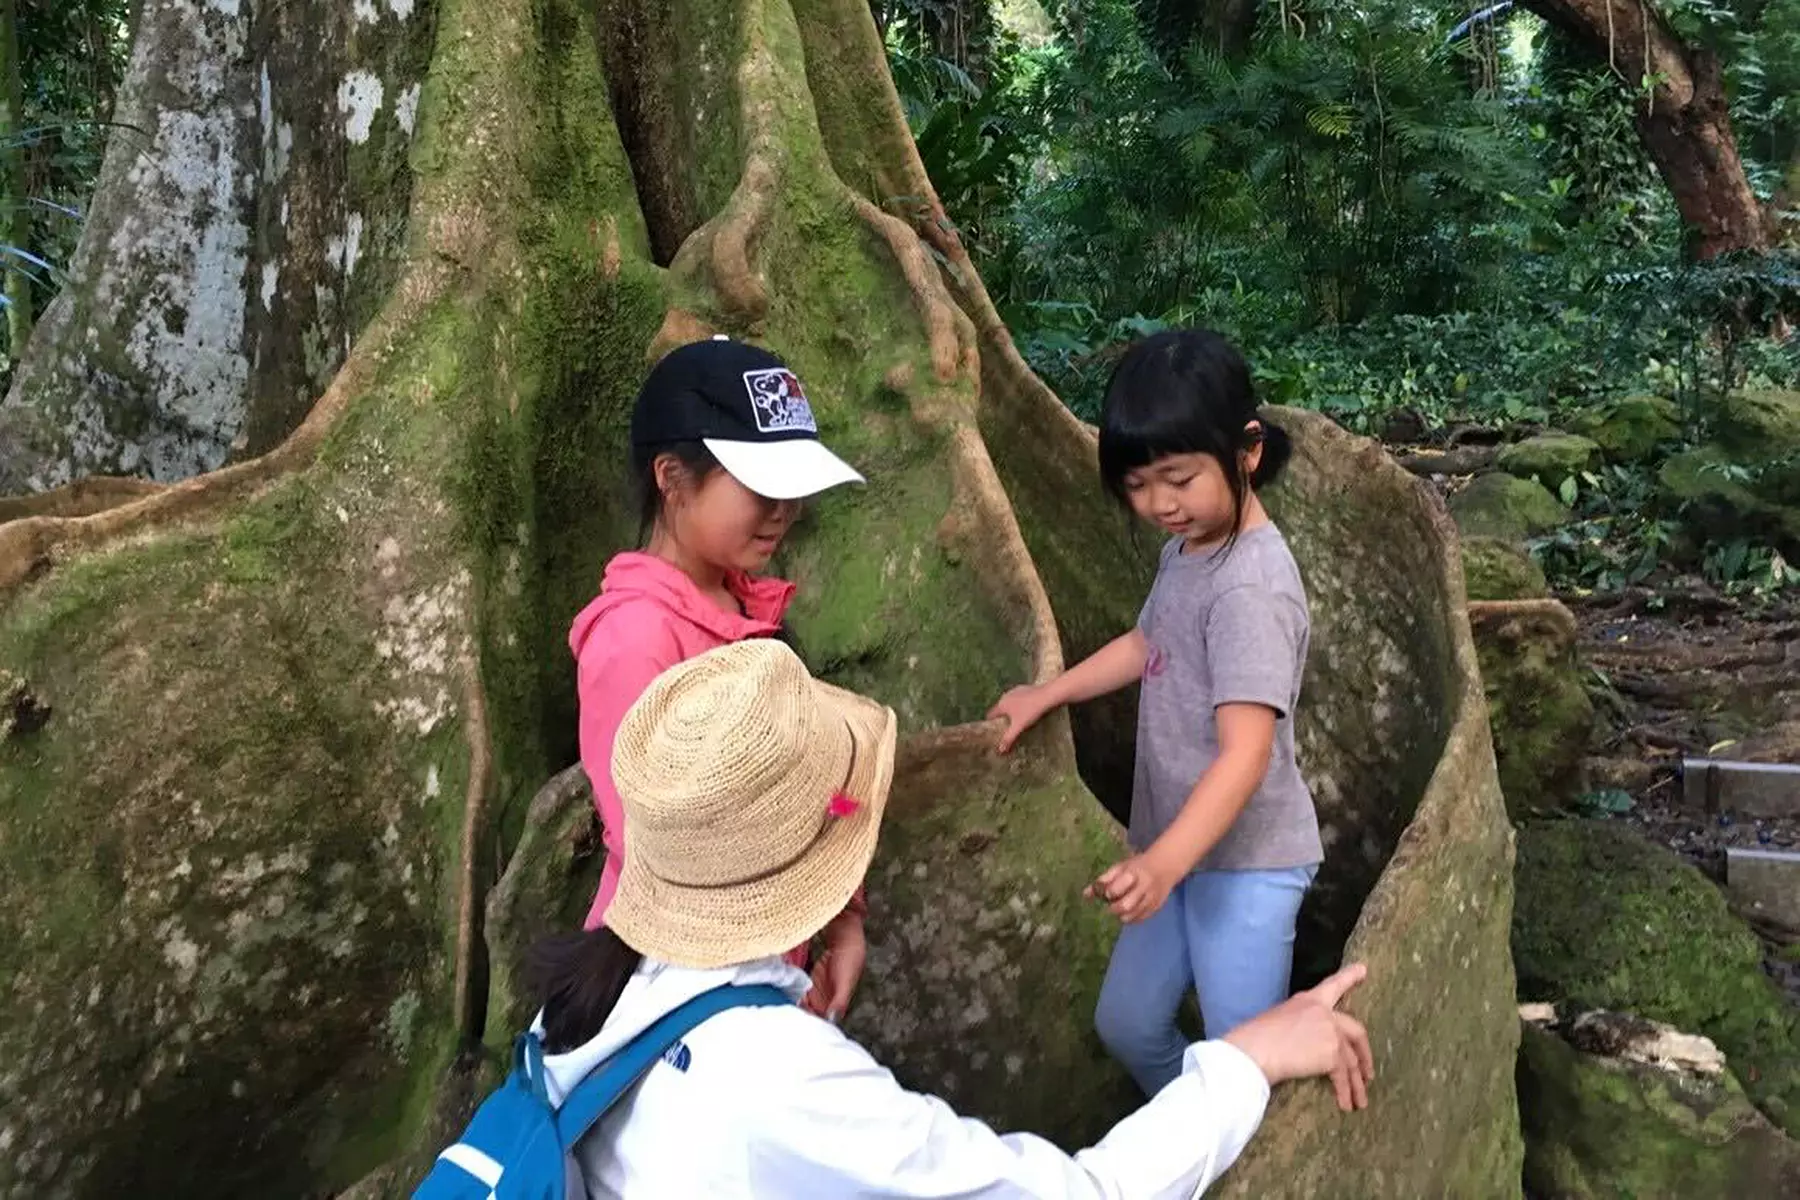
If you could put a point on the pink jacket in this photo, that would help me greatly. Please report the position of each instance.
(648, 617)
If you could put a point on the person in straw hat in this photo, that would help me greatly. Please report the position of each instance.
(753, 795)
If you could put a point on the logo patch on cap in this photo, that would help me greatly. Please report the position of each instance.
(778, 402)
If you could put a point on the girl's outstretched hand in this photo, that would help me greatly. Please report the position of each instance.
(1022, 707)
(838, 968)
(1134, 889)
(1306, 1036)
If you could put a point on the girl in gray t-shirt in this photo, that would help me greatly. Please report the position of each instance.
(1225, 841)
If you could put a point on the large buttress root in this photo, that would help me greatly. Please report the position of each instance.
(246, 856)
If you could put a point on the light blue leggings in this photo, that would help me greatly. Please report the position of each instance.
(1227, 934)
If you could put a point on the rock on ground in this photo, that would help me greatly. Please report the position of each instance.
(1538, 708)
(1494, 569)
(1503, 506)
(1616, 1106)
(1606, 920)
(1630, 429)
(1550, 458)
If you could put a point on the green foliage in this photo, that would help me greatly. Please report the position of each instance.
(1604, 193)
(72, 57)
(1618, 538)
(965, 118)
(1380, 225)
(1365, 157)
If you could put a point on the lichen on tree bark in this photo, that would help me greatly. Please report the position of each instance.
(315, 690)
(248, 220)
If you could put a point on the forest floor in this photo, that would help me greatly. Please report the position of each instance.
(1677, 669)
(1685, 672)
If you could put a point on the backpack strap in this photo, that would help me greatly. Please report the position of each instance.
(611, 1079)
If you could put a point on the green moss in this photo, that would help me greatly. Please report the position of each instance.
(378, 175)
(887, 605)
(542, 482)
(1720, 496)
(1606, 920)
(277, 698)
(1550, 458)
(1747, 484)
(674, 64)
(1538, 709)
(1499, 570)
(548, 887)
(1096, 564)
(967, 900)
(1631, 429)
(173, 880)
(1506, 507)
(1597, 1128)
(1758, 424)
(884, 608)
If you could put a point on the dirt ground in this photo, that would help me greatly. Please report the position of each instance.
(1685, 671)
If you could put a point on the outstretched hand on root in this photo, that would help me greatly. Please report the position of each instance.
(1305, 1036)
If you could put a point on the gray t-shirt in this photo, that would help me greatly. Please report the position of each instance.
(1222, 630)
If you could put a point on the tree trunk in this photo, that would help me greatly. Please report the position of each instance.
(1221, 26)
(247, 223)
(962, 32)
(1784, 209)
(1684, 120)
(270, 734)
(1227, 25)
(100, 52)
(15, 213)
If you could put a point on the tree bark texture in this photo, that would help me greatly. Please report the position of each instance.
(247, 222)
(269, 849)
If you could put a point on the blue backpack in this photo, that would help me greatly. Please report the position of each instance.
(516, 1146)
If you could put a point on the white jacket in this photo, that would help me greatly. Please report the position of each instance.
(773, 1102)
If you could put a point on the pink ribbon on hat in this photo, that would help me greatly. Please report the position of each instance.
(842, 805)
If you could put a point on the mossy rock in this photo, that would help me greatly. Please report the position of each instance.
(1550, 458)
(1504, 506)
(1599, 1127)
(1499, 570)
(1760, 423)
(1539, 711)
(1720, 496)
(1608, 920)
(1631, 429)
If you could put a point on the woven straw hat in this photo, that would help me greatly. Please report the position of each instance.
(753, 794)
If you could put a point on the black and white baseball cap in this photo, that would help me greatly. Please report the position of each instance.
(745, 406)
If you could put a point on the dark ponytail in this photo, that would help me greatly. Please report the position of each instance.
(1277, 448)
(578, 978)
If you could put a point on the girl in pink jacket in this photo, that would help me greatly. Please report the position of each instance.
(724, 446)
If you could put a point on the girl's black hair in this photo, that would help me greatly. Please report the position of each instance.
(1186, 391)
(694, 458)
(578, 978)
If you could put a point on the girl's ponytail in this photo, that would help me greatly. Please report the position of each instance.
(1277, 448)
